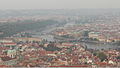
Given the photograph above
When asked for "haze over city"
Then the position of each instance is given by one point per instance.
(58, 4)
(59, 33)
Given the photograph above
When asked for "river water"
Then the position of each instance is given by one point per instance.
(45, 34)
(100, 46)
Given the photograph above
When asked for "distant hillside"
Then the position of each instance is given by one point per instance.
(9, 29)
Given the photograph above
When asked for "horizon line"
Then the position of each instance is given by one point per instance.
(56, 8)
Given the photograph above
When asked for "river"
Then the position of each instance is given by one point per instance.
(45, 34)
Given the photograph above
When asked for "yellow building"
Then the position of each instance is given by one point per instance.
(102, 39)
(94, 34)
(27, 39)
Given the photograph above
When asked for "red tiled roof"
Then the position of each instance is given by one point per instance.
(73, 66)
(6, 58)
(68, 45)
(9, 43)
(4, 48)
(4, 66)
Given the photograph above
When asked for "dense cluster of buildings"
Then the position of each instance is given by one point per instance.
(25, 52)
(103, 32)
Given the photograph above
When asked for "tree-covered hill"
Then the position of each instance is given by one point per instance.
(9, 29)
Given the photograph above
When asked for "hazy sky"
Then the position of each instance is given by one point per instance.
(58, 4)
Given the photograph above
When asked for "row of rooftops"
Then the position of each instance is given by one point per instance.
(70, 55)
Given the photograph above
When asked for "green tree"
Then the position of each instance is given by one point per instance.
(85, 33)
(118, 57)
(102, 56)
